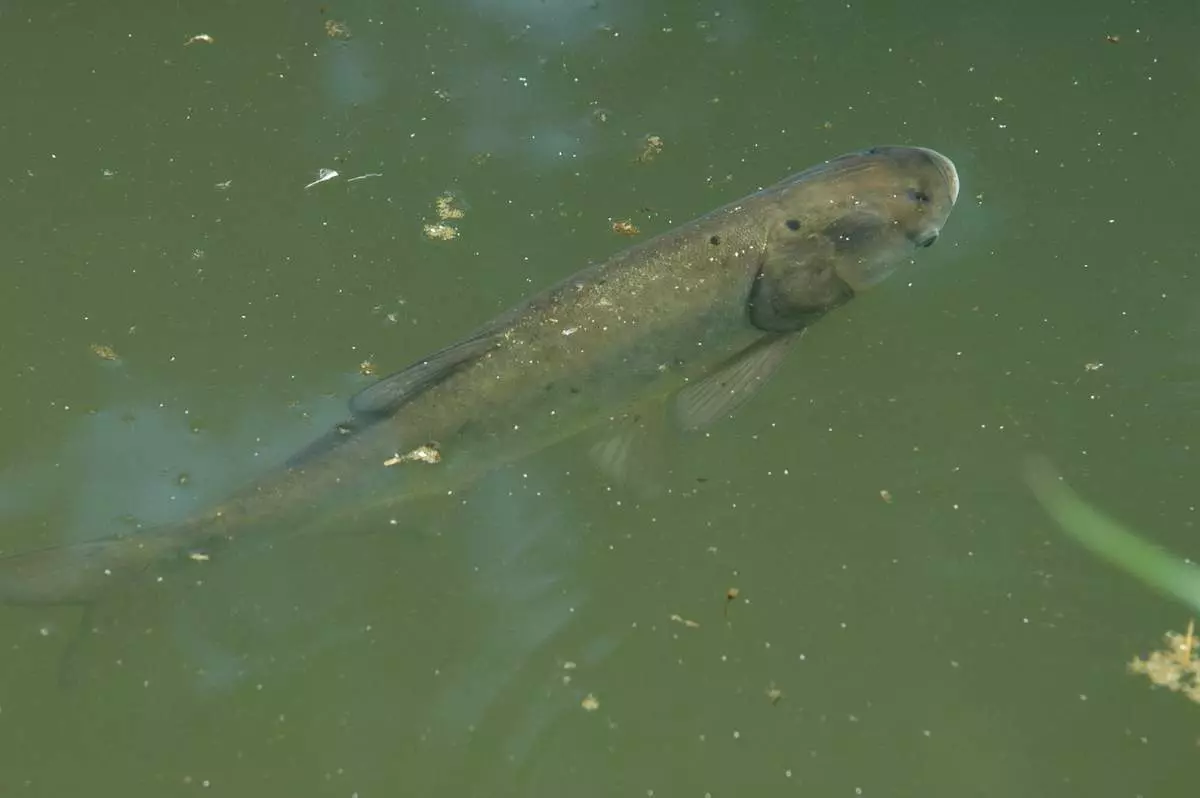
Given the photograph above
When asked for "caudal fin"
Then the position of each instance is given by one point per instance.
(78, 573)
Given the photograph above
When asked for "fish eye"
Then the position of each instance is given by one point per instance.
(917, 195)
(793, 224)
(928, 242)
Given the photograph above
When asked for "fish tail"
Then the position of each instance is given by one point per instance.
(80, 573)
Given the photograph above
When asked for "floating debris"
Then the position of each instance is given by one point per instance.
(1093, 366)
(335, 29)
(441, 232)
(202, 38)
(423, 454)
(449, 207)
(651, 147)
(1112, 38)
(223, 185)
(688, 623)
(322, 176)
(886, 495)
(364, 176)
(104, 352)
(1175, 667)
(774, 693)
(730, 596)
(366, 368)
(198, 556)
(590, 703)
(625, 227)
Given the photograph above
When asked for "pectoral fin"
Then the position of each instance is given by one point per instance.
(731, 384)
(387, 396)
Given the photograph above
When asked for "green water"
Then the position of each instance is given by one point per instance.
(949, 642)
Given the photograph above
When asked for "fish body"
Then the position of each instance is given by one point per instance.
(704, 311)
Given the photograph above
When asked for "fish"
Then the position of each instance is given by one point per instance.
(696, 319)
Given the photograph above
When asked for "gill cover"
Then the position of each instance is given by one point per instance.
(797, 280)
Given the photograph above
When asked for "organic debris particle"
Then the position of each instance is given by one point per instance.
(651, 147)
(104, 352)
(730, 595)
(322, 176)
(1175, 667)
(590, 703)
(625, 227)
(335, 29)
(688, 623)
(441, 232)
(448, 207)
(886, 495)
(1093, 366)
(1112, 38)
(202, 38)
(198, 556)
(422, 454)
(366, 368)
(774, 693)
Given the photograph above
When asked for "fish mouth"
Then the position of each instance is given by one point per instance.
(946, 167)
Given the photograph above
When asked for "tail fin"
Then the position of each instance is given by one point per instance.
(79, 573)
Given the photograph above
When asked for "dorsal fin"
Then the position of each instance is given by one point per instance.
(390, 393)
(383, 398)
